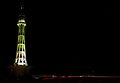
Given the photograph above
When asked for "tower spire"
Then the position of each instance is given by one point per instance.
(21, 8)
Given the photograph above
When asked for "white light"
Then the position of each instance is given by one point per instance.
(21, 21)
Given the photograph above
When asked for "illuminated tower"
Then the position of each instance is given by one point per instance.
(21, 50)
(20, 68)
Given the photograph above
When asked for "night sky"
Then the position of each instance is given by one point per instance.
(108, 11)
(61, 37)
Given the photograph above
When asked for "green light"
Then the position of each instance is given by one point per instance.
(21, 50)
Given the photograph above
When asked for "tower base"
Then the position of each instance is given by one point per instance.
(19, 72)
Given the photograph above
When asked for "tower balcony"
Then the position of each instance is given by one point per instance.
(21, 22)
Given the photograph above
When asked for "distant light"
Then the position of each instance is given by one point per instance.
(53, 76)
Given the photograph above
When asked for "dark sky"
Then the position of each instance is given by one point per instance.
(107, 11)
(60, 37)
(109, 7)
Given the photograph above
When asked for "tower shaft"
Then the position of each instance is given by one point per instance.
(21, 50)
